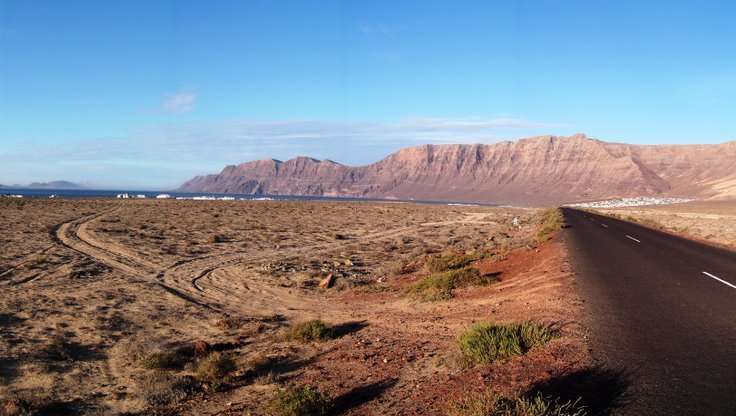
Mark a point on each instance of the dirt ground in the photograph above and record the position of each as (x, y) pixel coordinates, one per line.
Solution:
(86, 284)
(711, 221)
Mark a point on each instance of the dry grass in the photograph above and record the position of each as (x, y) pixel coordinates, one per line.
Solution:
(491, 404)
(215, 370)
(552, 219)
(97, 304)
(161, 389)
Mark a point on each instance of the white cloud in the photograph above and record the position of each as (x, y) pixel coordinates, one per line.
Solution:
(179, 103)
(173, 152)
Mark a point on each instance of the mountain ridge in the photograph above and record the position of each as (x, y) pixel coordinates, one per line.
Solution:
(535, 170)
(45, 185)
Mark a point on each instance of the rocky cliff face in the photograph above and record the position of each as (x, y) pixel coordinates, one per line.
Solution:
(539, 170)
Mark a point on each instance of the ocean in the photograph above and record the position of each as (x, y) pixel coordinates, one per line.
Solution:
(93, 193)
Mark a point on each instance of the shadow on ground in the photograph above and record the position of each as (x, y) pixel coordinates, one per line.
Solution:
(360, 395)
(349, 327)
(598, 389)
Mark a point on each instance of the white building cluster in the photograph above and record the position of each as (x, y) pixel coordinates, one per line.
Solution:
(639, 201)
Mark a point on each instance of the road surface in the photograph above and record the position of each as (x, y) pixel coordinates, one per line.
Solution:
(663, 309)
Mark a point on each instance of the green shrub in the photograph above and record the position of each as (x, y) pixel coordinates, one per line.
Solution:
(486, 343)
(439, 286)
(491, 404)
(447, 262)
(315, 330)
(215, 370)
(299, 401)
(431, 288)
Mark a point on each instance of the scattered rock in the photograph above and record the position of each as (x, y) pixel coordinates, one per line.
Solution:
(201, 349)
(327, 282)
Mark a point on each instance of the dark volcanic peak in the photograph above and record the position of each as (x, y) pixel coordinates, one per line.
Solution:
(537, 170)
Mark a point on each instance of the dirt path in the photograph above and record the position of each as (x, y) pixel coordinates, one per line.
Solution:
(214, 281)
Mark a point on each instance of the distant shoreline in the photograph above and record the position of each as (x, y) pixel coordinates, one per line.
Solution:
(93, 193)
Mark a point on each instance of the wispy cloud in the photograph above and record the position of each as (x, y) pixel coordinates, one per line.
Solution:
(179, 103)
(380, 29)
(171, 153)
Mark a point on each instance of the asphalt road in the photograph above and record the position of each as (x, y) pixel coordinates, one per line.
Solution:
(661, 309)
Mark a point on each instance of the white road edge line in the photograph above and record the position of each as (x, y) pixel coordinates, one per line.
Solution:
(720, 280)
(628, 236)
(604, 225)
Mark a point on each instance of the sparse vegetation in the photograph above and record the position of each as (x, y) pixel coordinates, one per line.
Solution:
(432, 288)
(439, 286)
(258, 361)
(156, 360)
(552, 219)
(299, 401)
(315, 330)
(27, 405)
(160, 389)
(215, 370)
(486, 343)
(152, 354)
(447, 262)
(56, 348)
(491, 404)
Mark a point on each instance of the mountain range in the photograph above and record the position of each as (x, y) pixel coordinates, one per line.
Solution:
(46, 185)
(533, 171)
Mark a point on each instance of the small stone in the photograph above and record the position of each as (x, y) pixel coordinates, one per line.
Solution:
(201, 349)
(327, 282)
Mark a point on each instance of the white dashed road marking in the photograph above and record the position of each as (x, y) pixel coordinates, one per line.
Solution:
(604, 225)
(720, 280)
(628, 236)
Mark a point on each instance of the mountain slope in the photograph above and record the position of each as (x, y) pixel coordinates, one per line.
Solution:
(54, 185)
(538, 170)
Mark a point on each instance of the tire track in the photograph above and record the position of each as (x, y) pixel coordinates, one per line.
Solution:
(205, 271)
(68, 235)
(187, 279)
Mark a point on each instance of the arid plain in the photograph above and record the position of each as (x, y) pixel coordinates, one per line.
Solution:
(115, 307)
(708, 221)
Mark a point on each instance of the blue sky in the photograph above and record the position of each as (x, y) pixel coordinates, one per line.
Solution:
(149, 93)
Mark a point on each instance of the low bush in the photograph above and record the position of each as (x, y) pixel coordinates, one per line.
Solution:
(432, 288)
(215, 370)
(491, 404)
(152, 353)
(447, 262)
(299, 401)
(486, 343)
(315, 330)
(161, 389)
(439, 286)
(156, 360)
